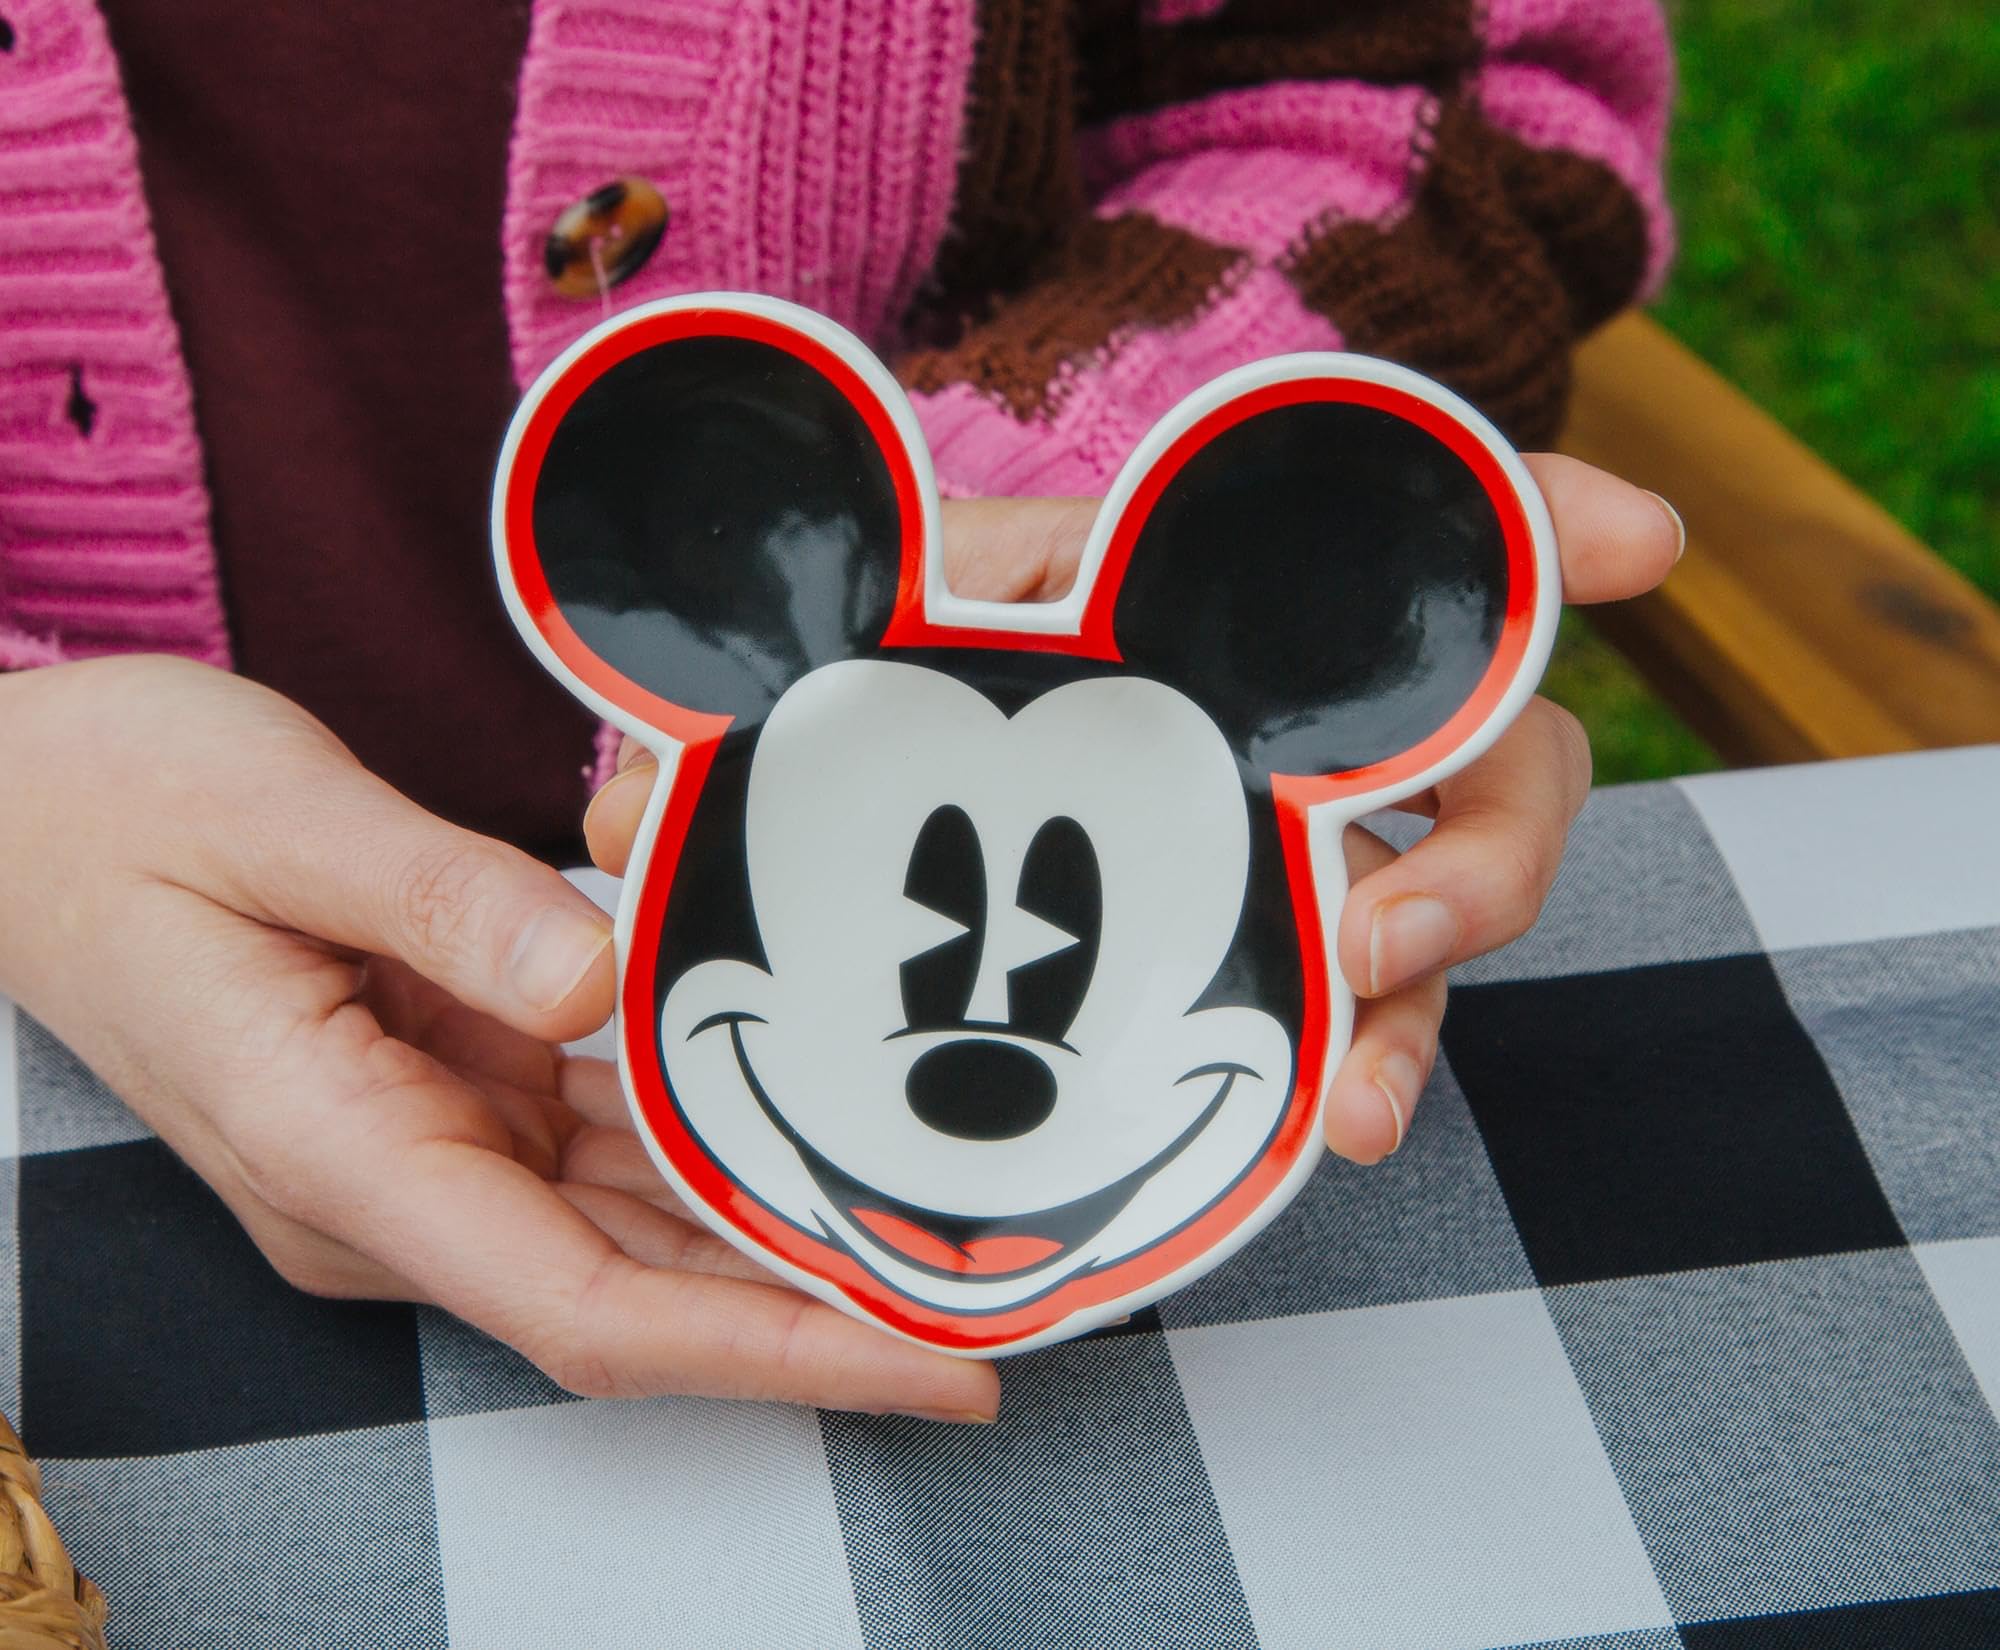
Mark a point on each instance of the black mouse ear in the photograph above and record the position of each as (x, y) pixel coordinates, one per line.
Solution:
(1342, 562)
(702, 501)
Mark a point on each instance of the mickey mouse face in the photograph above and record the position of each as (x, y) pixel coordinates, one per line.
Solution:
(975, 957)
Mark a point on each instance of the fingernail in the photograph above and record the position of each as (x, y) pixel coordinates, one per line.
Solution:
(1401, 1080)
(620, 779)
(632, 753)
(1680, 527)
(951, 1417)
(1411, 935)
(552, 956)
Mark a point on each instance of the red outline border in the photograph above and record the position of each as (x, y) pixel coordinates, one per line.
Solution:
(700, 733)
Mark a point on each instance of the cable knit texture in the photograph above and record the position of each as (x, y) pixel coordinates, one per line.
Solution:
(104, 543)
(1057, 217)
(1468, 191)
(809, 147)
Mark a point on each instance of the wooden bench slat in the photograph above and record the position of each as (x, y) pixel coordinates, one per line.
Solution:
(1804, 621)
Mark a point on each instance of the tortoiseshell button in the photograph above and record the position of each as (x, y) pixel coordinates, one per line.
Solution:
(605, 238)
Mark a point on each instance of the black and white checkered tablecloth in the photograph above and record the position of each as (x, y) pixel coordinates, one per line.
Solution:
(1676, 1322)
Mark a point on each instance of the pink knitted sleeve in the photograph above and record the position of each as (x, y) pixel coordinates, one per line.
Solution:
(1472, 197)
(104, 529)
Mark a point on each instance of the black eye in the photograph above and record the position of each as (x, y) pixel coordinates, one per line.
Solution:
(1061, 884)
(947, 875)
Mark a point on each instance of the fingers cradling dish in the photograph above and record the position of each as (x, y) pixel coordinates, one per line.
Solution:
(1374, 1094)
(1478, 879)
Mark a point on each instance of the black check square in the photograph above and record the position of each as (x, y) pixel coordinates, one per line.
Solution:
(1953, 1621)
(150, 1324)
(1662, 1119)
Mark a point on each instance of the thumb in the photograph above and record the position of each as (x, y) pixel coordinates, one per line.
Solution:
(1015, 549)
(364, 867)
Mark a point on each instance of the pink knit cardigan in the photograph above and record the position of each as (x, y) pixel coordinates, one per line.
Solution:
(811, 148)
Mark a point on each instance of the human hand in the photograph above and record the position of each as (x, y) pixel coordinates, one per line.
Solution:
(1476, 881)
(342, 1013)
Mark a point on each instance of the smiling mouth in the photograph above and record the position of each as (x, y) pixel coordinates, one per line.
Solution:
(969, 1246)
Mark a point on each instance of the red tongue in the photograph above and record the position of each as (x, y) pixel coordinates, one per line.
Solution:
(979, 1257)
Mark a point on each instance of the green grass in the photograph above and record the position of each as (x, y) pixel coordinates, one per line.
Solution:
(1835, 165)
(1632, 735)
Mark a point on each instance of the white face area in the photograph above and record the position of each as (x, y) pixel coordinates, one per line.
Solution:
(975, 1060)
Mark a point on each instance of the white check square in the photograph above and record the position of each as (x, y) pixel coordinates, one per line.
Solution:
(1414, 1477)
(1965, 1277)
(682, 1521)
(1836, 852)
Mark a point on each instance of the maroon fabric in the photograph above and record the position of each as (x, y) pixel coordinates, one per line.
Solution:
(327, 182)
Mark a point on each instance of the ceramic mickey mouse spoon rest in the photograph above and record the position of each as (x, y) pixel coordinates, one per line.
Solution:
(975, 959)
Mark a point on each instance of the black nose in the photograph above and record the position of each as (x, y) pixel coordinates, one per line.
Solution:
(980, 1090)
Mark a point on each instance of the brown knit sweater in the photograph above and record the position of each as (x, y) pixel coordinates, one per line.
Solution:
(1527, 214)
